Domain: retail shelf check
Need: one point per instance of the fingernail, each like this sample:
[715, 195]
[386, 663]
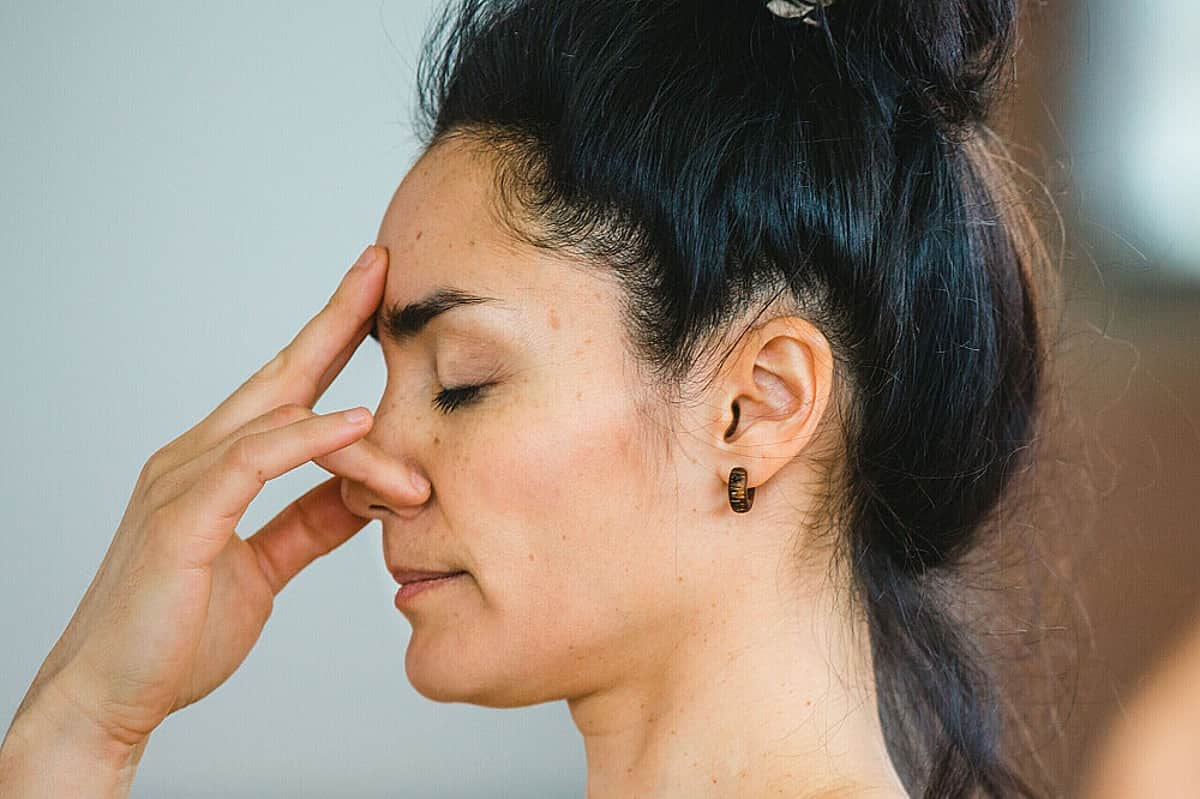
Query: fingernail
[367, 259]
[357, 415]
[419, 483]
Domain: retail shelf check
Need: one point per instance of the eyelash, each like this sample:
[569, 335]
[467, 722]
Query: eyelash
[449, 399]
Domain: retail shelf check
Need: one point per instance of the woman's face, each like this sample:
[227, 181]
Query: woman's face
[550, 488]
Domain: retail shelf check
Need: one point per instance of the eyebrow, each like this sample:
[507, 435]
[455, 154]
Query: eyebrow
[399, 324]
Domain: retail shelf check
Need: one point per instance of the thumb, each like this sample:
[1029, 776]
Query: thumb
[314, 524]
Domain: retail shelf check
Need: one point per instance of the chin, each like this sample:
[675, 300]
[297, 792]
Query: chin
[445, 674]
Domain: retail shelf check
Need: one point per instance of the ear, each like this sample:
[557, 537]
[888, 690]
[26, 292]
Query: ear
[771, 398]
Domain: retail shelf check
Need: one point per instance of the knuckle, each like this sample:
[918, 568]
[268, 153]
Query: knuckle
[276, 368]
[239, 453]
[157, 463]
[156, 493]
[164, 487]
[242, 456]
[291, 412]
[337, 302]
[339, 305]
[161, 520]
[151, 476]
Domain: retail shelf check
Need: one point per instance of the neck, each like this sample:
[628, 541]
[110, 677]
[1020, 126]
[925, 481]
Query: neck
[761, 696]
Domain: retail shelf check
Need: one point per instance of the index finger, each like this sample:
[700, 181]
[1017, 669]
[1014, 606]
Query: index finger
[300, 372]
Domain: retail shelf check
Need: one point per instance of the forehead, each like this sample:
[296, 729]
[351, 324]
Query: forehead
[439, 230]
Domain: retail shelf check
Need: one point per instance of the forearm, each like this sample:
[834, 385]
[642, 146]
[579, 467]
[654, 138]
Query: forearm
[51, 750]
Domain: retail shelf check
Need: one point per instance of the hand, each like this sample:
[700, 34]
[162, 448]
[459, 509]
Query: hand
[180, 598]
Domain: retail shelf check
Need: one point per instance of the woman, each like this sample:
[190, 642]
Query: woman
[710, 346]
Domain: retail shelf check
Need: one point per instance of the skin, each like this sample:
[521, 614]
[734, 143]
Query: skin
[702, 653]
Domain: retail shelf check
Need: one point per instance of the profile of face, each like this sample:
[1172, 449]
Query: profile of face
[592, 543]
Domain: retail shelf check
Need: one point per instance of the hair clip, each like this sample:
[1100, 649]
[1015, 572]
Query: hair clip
[801, 9]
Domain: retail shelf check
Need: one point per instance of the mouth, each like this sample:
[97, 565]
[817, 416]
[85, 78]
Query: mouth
[420, 587]
[406, 576]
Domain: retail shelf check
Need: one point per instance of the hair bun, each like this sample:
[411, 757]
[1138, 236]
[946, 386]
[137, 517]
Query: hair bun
[805, 10]
[947, 54]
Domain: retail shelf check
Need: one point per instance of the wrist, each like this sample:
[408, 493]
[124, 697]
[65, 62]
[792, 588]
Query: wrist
[53, 748]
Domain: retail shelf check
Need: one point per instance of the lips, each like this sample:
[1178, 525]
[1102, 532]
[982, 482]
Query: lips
[404, 576]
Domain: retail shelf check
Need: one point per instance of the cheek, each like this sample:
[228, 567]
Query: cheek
[575, 543]
[558, 474]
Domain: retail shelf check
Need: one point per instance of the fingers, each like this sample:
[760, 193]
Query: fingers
[218, 499]
[364, 462]
[361, 461]
[314, 524]
[301, 371]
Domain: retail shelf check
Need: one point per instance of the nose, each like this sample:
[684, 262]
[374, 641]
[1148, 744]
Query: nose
[395, 484]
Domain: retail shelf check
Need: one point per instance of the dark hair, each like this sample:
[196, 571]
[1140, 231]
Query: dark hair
[715, 156]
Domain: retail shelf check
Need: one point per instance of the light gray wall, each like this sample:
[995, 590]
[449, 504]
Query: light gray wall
[1132, 150]
[181, 187]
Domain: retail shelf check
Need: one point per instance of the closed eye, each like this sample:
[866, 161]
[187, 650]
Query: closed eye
[449, 399]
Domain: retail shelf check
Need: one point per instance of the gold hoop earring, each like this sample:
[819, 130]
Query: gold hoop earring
[741, 498]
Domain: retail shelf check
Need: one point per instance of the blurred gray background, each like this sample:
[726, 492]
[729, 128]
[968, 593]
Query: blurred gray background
[181, 187]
